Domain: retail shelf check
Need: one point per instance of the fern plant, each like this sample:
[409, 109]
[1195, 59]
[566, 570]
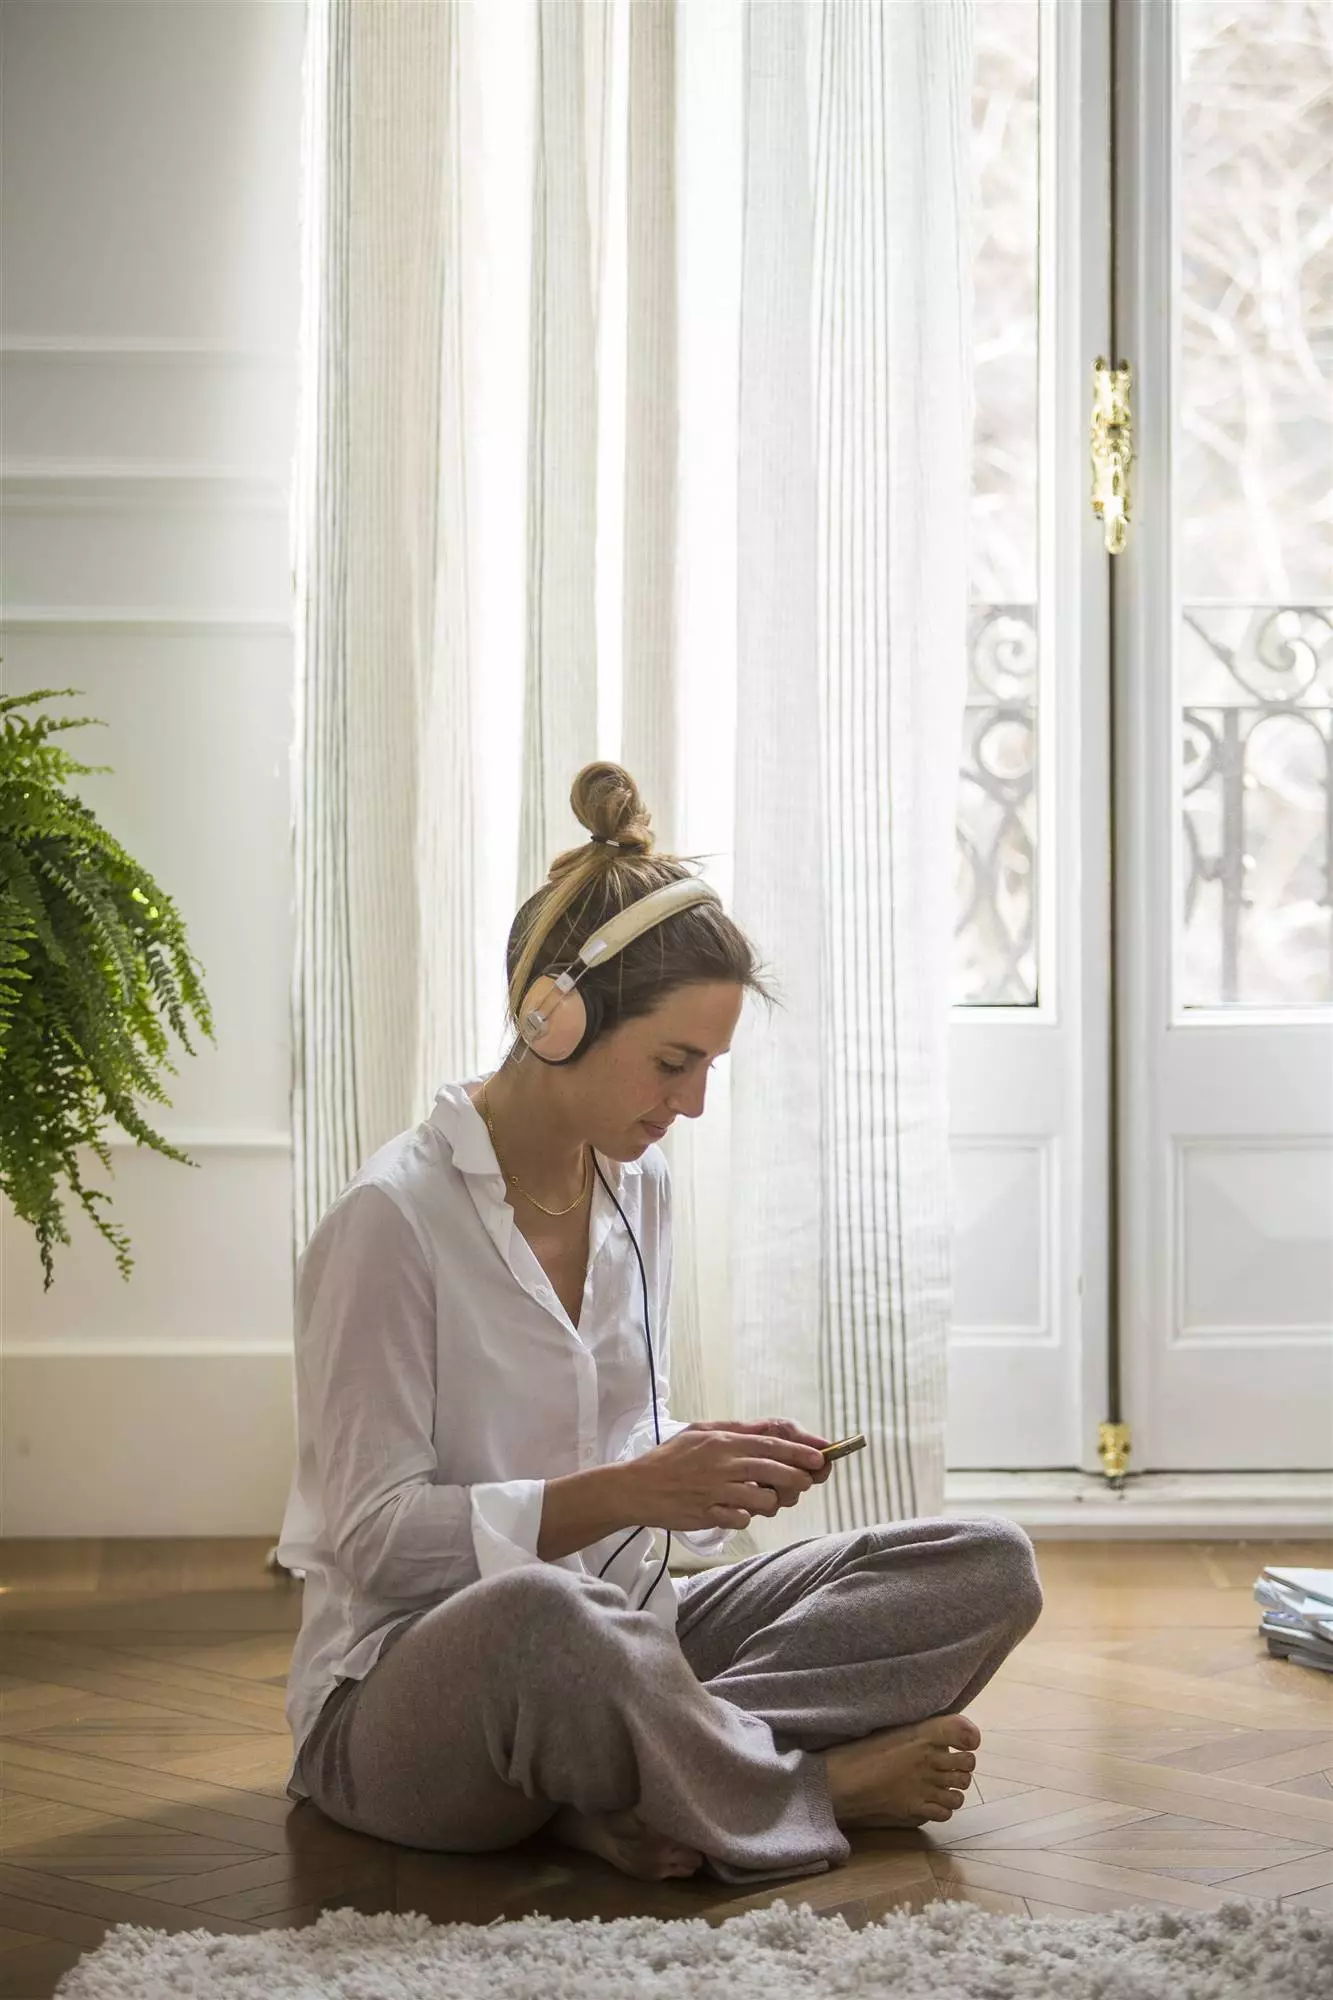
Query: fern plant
[95, 969]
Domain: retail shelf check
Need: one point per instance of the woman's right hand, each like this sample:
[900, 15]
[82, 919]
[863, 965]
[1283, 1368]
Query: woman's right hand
[719, 1479]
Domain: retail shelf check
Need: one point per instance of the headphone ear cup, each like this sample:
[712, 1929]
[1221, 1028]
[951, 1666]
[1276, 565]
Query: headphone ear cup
[554, 1035]
[592, 1015]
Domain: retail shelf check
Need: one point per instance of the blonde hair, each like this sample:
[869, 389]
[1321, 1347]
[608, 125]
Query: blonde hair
[590, 883]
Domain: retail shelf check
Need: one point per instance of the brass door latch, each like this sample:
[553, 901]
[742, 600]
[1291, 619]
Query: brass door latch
[1113, 1448]
[1112, 446]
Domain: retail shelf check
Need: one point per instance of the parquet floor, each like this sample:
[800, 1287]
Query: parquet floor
[1141, 1747]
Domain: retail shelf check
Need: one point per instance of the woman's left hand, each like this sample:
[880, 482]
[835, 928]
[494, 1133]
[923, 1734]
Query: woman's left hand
[778, 1427]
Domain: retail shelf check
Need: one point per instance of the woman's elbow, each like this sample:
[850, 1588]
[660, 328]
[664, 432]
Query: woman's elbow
[364, 1554]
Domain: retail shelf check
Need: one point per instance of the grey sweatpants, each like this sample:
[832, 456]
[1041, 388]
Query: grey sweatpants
[540, 1688]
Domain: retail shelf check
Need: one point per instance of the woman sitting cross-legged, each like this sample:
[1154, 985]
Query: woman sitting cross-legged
[490, 1643]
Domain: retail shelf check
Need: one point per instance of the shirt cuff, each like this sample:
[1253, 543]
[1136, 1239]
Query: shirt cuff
[506, 1522]
[644, 1438]
[705, 1541]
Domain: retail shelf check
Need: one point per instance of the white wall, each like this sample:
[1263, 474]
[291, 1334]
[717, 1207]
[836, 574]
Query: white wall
[149, 321]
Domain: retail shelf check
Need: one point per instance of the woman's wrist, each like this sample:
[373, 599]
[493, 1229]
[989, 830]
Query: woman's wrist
[585, 1507]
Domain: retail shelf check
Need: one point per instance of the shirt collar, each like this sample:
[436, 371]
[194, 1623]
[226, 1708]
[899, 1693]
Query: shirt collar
[462, 1125]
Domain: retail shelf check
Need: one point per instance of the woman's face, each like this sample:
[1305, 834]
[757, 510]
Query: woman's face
[637, 1080]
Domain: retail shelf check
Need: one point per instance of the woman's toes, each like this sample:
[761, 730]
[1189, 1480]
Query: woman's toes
[955, 1770]
[955, 1732]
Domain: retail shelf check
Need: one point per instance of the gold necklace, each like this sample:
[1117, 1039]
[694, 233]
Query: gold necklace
[514, 1180]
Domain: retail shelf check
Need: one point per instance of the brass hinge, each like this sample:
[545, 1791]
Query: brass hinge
[1114, 1445]
[1112, 446]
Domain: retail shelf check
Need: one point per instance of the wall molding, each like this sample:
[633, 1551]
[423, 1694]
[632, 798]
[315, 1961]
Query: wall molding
[144, 347]
[101, 1347]
[1151, 1505]
[101, 486]
[212, 1139]
[62, 618]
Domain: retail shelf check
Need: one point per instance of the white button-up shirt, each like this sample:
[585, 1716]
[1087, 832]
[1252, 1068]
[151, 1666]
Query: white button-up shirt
[440, 1383]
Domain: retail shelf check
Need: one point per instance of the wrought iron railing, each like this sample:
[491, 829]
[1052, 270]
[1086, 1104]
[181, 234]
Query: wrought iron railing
[1256, 686]
[995, 961]
[1256, 777]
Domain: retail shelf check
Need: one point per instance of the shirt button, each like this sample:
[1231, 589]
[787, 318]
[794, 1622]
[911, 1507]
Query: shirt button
[588, 1454]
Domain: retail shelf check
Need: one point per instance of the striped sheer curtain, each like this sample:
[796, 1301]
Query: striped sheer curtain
[637, 421]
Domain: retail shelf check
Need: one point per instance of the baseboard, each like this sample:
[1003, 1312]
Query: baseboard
[1185, 1506]
[167, 1442]
[153, 1442]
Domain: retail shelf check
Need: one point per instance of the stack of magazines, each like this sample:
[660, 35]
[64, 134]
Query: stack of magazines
[1297, 1616]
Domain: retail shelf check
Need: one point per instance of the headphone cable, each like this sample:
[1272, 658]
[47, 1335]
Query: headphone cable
[652, 1393]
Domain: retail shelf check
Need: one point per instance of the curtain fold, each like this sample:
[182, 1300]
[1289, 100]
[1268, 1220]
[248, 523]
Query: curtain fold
[650, 741]
[652, 321]
[560, 705]
[381, 608]
[891, 450]
[779, 1113]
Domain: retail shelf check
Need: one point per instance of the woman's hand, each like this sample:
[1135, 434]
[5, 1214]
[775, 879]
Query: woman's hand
[780, 1427]
[721, 1475]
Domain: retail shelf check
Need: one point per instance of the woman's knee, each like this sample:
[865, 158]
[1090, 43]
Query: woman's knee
[543, 1611]
[1005, 1565]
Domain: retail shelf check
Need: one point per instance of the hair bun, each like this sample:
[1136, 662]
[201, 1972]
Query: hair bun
[606, 800]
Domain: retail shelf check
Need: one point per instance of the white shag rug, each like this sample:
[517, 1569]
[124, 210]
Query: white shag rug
[950, 1951]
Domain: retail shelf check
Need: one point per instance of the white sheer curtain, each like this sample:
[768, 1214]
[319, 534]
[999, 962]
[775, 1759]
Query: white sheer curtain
[637, 422]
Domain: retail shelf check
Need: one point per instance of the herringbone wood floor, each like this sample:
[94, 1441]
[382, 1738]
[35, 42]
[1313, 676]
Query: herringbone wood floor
[1139, 1748]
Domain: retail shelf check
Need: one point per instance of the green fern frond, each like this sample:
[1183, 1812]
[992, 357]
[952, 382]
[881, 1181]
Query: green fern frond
[96, 976]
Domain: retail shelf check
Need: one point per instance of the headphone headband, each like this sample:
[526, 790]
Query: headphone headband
[644, 915]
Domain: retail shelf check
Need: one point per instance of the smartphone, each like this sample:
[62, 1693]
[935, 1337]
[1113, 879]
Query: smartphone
[844, 1447]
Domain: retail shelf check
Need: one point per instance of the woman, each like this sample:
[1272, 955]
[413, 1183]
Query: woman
[488, 1644]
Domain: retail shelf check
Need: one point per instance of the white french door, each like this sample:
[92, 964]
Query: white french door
[1143, 1074]
[1029, 1044]
[1224, 664]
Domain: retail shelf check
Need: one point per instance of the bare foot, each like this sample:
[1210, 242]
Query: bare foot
[903, 1777]
[623, 1839]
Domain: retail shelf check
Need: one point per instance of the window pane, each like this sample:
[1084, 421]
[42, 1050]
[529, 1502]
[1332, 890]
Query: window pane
[995, 960]
[1254, 499]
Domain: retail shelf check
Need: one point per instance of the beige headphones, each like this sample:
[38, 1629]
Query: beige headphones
[554, 1018]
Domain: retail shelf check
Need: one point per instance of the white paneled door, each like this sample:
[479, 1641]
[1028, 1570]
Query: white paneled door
[1029, 1049]
[1224, 605]
[1145, 907]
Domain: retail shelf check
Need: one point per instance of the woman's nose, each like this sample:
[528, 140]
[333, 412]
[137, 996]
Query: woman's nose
[688, 1100]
